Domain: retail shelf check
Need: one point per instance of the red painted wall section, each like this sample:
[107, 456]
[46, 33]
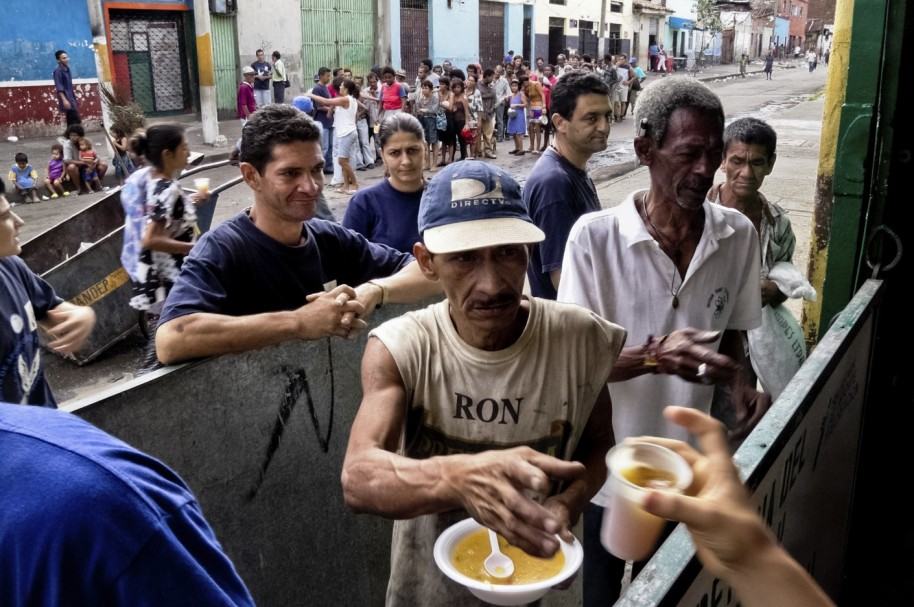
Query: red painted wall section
[31, 111]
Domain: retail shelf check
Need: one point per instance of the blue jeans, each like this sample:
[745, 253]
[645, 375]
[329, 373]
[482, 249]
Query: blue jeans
[327, 146]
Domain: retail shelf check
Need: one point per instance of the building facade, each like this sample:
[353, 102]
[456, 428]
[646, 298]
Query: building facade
[31, 33]
[649, 25]
[796, 11]
[151, 56]
[573, 27]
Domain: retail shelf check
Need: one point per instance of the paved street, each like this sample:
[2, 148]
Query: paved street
[791, 103]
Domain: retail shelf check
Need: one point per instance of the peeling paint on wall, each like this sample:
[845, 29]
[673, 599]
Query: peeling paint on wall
[31, 111]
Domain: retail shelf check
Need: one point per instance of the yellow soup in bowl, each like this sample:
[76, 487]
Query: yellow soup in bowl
[471, 551]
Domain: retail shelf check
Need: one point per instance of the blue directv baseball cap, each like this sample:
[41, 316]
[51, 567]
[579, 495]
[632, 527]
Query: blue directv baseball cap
[304, 104]
[472, 205]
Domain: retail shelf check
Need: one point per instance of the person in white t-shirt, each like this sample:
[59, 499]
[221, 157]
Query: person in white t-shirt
[474, 402]
[345, 135]
[663, 260]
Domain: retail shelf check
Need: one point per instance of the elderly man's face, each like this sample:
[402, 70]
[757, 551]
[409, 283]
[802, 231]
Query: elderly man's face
[746, 165]
[682, 167]
[483, 286]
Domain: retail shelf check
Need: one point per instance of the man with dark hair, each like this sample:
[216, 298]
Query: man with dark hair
[486, 116]
[429, 73]
[560, 65]
[547, 82]
[393, 93]
[263, 75]
[430, 445]
[74, 167]
[749, 156]
[63, 88]
[26, 303]
[273, 272]
[668, 260]
[558, 190]
[324, 115]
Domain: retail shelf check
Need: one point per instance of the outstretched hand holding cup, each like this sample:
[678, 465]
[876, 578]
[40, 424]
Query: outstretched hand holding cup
[731, 540]
[636, 468]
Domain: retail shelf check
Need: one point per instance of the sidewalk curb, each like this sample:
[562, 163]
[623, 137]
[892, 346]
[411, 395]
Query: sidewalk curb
[614, 171]
[725, 76]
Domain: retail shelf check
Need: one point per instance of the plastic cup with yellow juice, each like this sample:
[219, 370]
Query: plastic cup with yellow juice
[202, 184]
[634, 469]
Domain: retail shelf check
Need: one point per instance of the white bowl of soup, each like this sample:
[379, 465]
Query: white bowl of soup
[461, 549]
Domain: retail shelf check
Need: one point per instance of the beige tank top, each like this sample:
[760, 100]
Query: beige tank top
[538, 392]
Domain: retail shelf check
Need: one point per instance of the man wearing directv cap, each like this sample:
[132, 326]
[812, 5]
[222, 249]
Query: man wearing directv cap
[475, 404]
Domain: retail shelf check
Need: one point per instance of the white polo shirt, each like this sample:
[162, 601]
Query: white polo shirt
[614, 267]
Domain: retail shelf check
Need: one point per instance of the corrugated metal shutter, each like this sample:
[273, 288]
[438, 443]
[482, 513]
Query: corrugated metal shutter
[337, 33]
[413, 34]
[491, 33]
[225, 59]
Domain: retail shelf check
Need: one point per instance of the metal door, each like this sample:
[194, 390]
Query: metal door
[154, 44]
[225, 61]
[141, 84]
[587, 39]
[528, 33]
[491, 33]
[726, 47]
[337, 33]
[413, 34]
[614, 46]
[556, 37]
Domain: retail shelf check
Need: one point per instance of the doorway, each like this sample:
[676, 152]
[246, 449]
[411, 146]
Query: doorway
[556, 37]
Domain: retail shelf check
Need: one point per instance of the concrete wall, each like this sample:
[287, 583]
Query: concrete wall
[272, 496]
[273, 25]
[454, 32]
[741, 24]
[31, 33]
[514, 28]
[587, 10]
[798, 22]
[781, 31]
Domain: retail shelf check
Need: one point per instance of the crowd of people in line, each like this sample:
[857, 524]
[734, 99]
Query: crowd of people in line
[646, 303]
[467, 111]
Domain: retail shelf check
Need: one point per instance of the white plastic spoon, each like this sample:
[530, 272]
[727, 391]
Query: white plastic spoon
[498, 564]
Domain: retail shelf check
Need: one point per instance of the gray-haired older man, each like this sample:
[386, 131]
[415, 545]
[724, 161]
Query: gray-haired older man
[665, 259]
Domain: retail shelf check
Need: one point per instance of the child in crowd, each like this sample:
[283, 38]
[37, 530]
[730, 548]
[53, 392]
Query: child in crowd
[87, 155]
[24, 178]
[54, 182]
[123, 163]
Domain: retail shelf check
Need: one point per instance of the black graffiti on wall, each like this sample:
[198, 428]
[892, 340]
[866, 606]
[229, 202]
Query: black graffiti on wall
[296, 382]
